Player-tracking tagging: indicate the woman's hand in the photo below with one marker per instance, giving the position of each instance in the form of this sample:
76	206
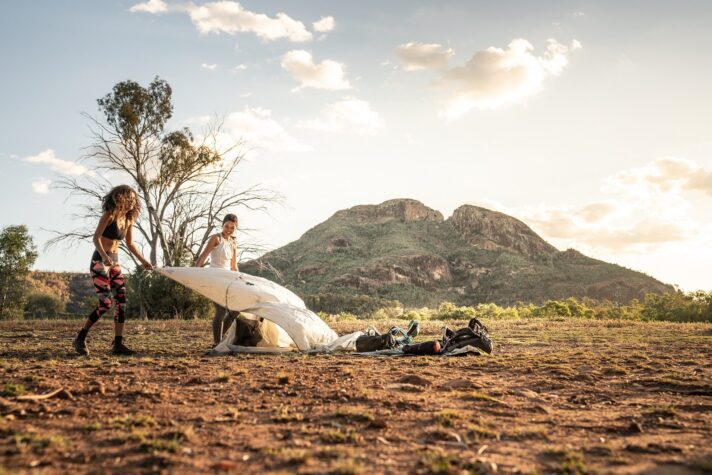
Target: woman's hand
148	266
108	262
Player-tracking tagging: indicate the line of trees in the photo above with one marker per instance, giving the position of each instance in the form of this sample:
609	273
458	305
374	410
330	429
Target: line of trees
677	306
17	255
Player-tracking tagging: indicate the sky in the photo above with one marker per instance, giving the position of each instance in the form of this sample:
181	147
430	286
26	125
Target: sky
589	121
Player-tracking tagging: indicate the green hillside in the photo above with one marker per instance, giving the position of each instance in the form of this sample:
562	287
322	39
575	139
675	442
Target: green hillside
403	250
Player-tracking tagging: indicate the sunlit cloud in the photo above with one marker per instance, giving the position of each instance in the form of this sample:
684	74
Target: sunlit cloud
496	77
349	115
41	185
231	18
324	25
416	56
66	167
664	175
645	208
209	67
255	129
151	6
327	74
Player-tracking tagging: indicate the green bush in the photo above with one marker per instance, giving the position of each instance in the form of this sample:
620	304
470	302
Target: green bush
163	298
492	311
450	311
678	306
356	304
386	313
419	314
41	305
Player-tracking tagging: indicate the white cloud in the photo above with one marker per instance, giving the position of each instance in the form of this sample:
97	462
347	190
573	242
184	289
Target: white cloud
151	6
324	25
645	209
209	67
63	166
258	128
41	185
579	14
349	115
496	77
231	18
326	75
239	67
255	127
663	176
416	56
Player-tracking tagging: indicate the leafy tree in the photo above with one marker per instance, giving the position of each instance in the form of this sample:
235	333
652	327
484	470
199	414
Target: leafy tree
164	298
43	305
184	183
17	255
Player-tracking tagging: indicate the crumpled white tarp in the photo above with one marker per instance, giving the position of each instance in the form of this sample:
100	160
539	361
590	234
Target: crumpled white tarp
287	323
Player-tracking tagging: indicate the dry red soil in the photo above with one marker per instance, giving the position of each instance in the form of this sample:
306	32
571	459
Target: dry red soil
555	397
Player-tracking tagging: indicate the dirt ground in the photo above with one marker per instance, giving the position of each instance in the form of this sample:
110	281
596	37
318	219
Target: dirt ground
555	397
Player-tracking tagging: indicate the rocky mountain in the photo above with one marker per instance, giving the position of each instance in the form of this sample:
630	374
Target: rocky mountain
401	249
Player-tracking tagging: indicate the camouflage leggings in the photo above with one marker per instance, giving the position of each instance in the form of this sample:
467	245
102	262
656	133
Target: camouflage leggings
108	282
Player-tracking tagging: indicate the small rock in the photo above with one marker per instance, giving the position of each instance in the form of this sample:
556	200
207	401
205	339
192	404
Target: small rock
416	380
634	428
64	394
459	384
224	466
405	387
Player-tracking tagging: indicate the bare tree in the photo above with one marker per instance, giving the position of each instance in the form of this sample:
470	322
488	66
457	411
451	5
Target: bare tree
184	183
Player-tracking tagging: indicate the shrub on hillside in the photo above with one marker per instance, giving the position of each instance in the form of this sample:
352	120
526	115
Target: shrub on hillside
356	304
678	306
163	298
42	305
450	311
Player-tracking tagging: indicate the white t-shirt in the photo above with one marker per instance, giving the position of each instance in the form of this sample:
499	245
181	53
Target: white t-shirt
221	255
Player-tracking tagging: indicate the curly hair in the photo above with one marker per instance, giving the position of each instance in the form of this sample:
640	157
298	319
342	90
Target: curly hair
121	199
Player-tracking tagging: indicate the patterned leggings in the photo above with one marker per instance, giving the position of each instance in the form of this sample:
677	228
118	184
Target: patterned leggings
108	282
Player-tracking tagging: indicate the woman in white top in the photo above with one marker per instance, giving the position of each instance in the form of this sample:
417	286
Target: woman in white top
222	249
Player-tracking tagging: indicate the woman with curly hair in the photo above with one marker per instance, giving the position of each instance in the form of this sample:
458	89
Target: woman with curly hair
120	209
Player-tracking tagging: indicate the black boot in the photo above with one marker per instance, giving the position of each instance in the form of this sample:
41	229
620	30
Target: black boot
80	343
119	348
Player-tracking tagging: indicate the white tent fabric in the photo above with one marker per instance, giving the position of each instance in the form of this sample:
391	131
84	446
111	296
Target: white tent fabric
287	326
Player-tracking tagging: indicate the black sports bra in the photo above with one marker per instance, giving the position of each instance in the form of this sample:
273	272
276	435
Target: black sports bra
112	231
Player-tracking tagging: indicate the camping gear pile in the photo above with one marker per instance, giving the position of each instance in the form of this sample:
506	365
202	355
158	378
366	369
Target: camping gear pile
474	338
273	320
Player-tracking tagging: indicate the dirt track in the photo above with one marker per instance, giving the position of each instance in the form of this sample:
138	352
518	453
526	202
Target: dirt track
566	397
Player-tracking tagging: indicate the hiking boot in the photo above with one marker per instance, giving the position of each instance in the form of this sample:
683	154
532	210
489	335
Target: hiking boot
475	325
80	345
413	329
119	349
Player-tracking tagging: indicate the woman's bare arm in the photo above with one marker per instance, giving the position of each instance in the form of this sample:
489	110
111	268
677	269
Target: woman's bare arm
132	247
212	242
233	261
